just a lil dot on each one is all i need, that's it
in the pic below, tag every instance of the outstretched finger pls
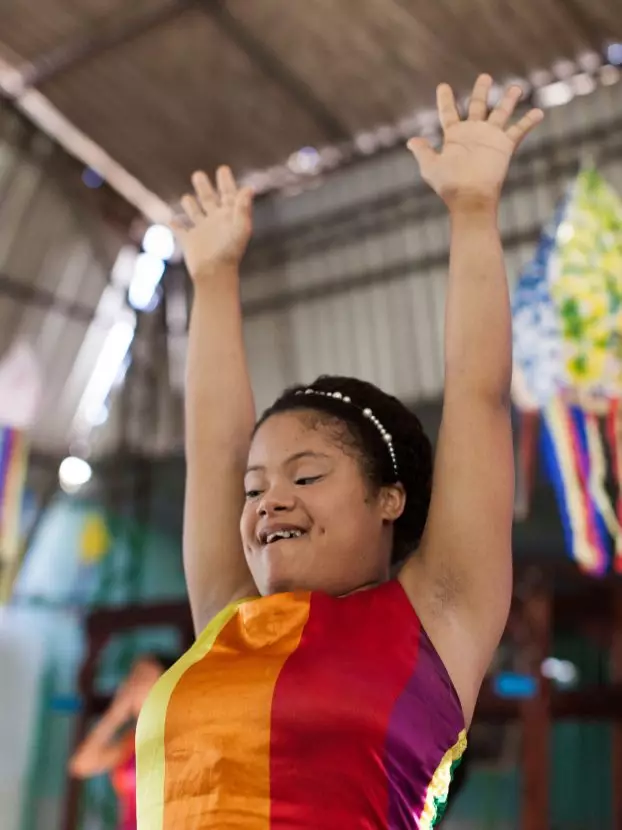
(478, 105)
(522, 128)
(504, 110)
(207, 196)
(226, 186)
(447, 109)
(191, 208)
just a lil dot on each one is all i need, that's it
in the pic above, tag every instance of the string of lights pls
(550, 88)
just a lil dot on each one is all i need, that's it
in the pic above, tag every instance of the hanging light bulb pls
(554, 95)
(583, 83)
(148, 271)
(159, 242)
(614, 54)
(74, 473)
(609, 75)
(305, 162)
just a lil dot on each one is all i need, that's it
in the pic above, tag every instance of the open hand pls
(217, 224)
(471, 167)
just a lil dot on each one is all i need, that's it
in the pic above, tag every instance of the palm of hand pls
(476, 152)
(218, 238)
(220, 223)
(474, 160)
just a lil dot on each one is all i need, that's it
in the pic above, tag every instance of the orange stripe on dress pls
(217, 754)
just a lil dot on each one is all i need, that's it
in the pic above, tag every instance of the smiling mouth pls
(279, 535)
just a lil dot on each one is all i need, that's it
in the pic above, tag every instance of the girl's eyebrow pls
(295, 457)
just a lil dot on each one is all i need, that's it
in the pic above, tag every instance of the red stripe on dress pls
(331, 708)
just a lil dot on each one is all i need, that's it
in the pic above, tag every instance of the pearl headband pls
(367, 413)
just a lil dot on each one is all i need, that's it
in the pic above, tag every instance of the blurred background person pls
(109, 746)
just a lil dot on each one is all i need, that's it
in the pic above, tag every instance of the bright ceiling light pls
(614, 54)
(101, 417)
(583, 84)
(159, 242)
(366, 143)
(305, 162)
(554, 95)
(590, 61)
(109, 364)
(330, 157)
(387, 135)
(74, 473)
(540, 77)
(609, 75)
(564, 69)
(148, 270)
(561, 671)
(91, 178)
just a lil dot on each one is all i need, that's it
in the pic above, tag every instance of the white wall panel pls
(267, 350)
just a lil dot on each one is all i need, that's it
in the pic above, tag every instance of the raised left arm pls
(465, 554)
(461, 578)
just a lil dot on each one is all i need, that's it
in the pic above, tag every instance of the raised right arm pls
(220, 412)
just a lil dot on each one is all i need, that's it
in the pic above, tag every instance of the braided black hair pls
(412, 447)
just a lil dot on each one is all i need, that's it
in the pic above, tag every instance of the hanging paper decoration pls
(614, 435)
(13, 465)
(567, 310)
(20, 387)
(536, 325)
(586, 286)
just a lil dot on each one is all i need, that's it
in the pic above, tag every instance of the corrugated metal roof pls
(166, 86)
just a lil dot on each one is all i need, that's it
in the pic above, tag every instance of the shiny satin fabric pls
(300, 711)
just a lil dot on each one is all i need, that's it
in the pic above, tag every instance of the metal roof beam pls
(275, 70)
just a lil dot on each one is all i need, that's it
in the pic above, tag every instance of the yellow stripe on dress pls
(150, 759)
(438, 788)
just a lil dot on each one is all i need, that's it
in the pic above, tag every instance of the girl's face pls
(311, 519)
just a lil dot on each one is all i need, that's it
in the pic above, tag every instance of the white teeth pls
(283, 534)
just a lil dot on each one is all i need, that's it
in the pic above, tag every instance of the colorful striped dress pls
(302, 711)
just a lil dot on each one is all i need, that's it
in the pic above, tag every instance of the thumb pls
(422, 150)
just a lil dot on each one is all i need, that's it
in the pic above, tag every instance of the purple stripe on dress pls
(425, 723)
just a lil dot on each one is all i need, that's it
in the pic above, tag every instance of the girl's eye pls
(253, 494)
(304, 480)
